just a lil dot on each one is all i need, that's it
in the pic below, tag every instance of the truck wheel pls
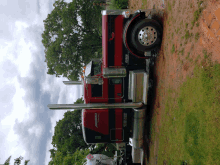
(146, 35)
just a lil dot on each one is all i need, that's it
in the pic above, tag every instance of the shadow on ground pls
(152, 96)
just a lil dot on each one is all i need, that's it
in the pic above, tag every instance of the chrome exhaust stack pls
(138, 134)
(72, 82)
(94, 106)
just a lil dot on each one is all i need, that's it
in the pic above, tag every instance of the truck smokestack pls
(72, 82)
(94, 106)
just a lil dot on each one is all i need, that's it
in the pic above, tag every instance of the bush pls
(121, 4)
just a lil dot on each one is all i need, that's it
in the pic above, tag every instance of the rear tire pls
(146, 35)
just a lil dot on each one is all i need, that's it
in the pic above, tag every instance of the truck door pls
(100, 89)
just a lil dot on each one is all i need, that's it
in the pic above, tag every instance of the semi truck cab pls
(116, 86)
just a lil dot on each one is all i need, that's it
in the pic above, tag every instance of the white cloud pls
(25, 84)
(36, 130)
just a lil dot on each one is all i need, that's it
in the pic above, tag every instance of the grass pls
(144, 4)
(197, 58)
(196, 14)
(181, 23)
(187, 57)
(191, 131)
(186, 25)
(112, 5)
(199, 3)
(187, 35)
(197, 36)
(178, 29)
(173, 49)
(173, 3)
(191, 60)
(169, 6)
(181, 51)
(205, 53)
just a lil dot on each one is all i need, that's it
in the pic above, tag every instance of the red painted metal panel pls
(96, 120)
(105, 40)
(118, 124)
(118, 40)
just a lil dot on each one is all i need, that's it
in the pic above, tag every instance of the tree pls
(101, 149)
(60, 39)
(68, 134)
(77, 158)
(7, 162)
(68, 143)
(68, 45)
(17, 161)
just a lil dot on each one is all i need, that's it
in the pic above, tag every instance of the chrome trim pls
(126, 13)
(138, 128)
(138, 11)
(138, 136)
(83, 129)
(114, 72)
(72, 82)
(145, 88)
(95, 106)
(120, 12)
(147, 36)
(127, 58)
(94, 80)
(135, 87)
(112, 12)
(147, 54)
(137, 155)
(96, 120)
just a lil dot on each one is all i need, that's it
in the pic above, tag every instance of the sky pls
(26, 124)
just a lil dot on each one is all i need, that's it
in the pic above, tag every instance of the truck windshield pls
(93, 68)
(96, 68)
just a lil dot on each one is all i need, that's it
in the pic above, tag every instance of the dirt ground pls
(182, 47)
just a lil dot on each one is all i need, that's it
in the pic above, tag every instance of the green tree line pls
(16, 162)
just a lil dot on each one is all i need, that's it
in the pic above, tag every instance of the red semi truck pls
(116, 86)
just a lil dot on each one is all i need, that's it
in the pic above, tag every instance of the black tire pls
(145, 24)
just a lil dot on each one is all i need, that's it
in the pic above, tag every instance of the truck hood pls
(112, 44)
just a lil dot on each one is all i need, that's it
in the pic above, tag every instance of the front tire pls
(146, 35)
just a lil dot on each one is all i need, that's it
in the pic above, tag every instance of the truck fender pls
(127, 30)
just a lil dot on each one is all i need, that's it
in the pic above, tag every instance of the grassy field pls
(190, 132)
(113, 5)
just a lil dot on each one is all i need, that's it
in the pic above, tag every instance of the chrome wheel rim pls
(147, 36)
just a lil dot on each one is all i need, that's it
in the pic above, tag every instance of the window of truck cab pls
(93, 70)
